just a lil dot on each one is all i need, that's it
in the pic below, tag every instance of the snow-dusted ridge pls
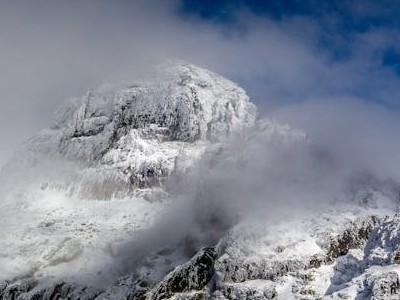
(172, 188)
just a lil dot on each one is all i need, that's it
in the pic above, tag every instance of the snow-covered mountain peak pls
(144, 132)
(185, 103)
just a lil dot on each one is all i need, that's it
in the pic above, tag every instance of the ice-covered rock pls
(144, 132)
(386, 286)
(192, 276)
(384, 245)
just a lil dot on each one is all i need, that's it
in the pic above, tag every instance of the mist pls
(275, 172)
(343, 112)
(358, 134)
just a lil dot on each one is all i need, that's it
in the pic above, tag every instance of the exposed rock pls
(354, 237)
(385, 286)
(29, 289)
(194, 275)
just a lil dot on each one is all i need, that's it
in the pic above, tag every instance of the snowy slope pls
(171, 188)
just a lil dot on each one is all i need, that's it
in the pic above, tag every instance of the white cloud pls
(53, 50)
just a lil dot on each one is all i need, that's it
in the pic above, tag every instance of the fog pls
(358, 134)
(347, 107)
(274, 174)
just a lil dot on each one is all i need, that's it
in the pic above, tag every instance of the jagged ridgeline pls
(134, 138)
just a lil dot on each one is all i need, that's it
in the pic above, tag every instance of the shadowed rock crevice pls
(192, 276)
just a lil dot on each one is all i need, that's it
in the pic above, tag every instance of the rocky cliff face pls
(152, 191)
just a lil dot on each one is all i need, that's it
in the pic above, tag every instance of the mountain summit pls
(142, 133)
(186, 103)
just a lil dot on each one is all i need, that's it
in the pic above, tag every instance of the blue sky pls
(339, 26)
(349, 16)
